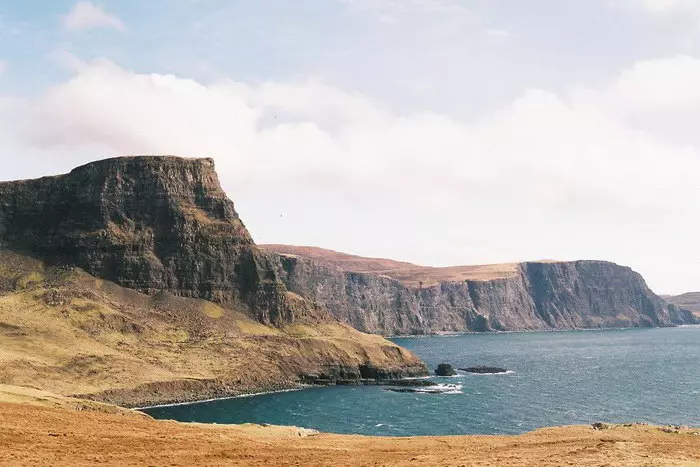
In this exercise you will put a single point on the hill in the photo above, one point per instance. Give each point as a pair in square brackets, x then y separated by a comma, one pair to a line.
[133, 281]
[689, 301]
[68, 332]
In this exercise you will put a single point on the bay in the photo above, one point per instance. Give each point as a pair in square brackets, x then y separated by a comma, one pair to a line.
[555, 378]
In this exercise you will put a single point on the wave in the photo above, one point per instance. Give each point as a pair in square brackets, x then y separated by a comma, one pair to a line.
[435, 389]
[508, 372]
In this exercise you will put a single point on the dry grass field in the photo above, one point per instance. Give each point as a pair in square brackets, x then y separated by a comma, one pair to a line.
[411, 275]
[33, 435]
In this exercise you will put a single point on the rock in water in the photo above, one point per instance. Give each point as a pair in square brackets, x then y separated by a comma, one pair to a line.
[445, 369]
[484, 370]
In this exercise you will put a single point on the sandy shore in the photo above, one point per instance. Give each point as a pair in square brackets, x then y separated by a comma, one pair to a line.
[38, 435]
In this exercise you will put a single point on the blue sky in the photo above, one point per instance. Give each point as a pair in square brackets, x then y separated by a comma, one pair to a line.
[434, 131]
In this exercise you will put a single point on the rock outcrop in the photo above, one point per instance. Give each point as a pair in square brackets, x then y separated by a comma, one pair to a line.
[150, 224]
[445, 369]
[392, 298]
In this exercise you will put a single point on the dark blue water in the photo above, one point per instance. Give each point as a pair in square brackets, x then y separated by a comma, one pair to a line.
[559, 378]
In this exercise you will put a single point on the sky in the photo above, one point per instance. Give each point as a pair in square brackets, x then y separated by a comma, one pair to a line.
[440, 132]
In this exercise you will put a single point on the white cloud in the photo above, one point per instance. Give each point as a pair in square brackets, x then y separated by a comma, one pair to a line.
[432, 6]
[86, 15]
[3, 67]
[660, 6]
[581, 175]
[395, 11]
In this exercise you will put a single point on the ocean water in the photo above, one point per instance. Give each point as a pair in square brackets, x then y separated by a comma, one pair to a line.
[556, 378]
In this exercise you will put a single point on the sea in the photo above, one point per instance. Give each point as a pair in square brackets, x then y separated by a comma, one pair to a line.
[553, 378]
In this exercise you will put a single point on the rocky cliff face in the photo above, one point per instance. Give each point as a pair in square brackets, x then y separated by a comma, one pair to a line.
[537, 295]
[689, 301]
[150, 224]
[161, 226]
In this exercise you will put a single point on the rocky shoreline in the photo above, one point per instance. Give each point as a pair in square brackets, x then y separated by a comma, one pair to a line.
[204, 390]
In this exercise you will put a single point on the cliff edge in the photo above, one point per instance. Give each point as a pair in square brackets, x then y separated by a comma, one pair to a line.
[148, 223]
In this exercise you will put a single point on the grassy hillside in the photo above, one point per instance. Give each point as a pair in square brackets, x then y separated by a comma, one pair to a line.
[411, 275]
[65, 331]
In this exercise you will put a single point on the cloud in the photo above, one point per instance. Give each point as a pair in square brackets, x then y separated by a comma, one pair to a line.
[3, 67]
[86, 15]
[586, 174]
[660, 6]
[395, 11]
[498, 32]
[431, 6]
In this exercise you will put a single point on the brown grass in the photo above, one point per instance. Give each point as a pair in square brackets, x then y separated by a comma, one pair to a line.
[36, 397]
[31, 435]
[72, 334]
[411, 275]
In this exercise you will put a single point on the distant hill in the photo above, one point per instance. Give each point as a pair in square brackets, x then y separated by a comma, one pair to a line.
[391, 297]
[689, 301]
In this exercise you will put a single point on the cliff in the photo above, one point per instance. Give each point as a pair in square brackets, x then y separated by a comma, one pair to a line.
[689, 301]
[133, 280]
[150, 224]
[390, 298]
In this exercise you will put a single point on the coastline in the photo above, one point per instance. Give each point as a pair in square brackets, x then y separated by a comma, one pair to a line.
[190, 392]
[184, 392]
[524, 331]
[214, 399]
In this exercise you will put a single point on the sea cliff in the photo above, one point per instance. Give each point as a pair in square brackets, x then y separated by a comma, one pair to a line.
[134, 281]
[391, 298]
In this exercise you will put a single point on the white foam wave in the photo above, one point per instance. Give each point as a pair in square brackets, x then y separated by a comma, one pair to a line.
[441, 389]
[509, 372]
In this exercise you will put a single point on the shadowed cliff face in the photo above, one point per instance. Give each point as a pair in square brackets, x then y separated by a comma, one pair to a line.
[147, 223]
[162, 226]
[534, 296]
